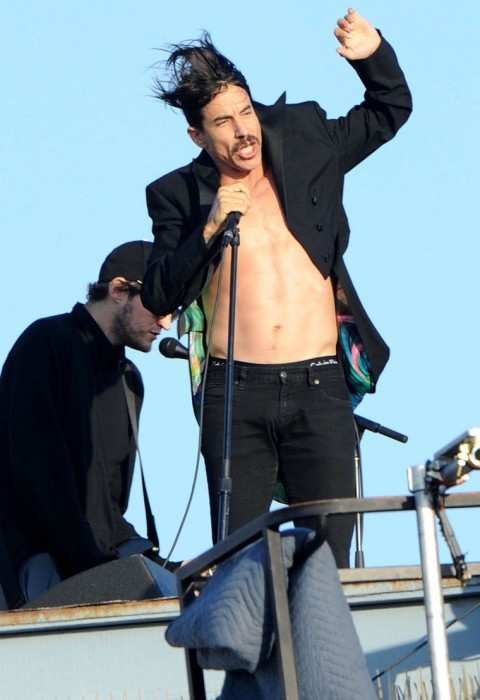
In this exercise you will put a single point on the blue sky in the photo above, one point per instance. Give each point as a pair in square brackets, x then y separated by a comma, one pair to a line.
[81, 136]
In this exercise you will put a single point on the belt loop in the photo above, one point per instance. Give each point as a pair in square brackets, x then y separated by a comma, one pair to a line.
[243, 374]
[313, 376]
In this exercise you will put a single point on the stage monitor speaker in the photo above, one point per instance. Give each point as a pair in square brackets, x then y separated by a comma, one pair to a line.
[122, 579]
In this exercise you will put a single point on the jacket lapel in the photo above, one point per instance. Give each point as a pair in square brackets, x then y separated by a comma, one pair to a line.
[207, 179]
[272, 120]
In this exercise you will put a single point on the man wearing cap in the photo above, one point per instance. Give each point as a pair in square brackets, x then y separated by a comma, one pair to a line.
[65, 433]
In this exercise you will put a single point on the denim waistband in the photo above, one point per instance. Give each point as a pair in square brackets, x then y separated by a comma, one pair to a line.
[294, 371]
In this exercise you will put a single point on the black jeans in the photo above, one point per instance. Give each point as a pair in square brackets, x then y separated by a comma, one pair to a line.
[291, 422]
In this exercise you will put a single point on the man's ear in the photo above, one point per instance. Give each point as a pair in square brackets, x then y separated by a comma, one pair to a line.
[197, 136]
[116, 289]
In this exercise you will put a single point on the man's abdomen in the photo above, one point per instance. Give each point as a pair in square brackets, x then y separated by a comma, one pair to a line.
[285, 308]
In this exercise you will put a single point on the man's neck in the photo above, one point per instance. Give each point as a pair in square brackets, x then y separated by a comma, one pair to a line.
[250, 179]
[102, 315]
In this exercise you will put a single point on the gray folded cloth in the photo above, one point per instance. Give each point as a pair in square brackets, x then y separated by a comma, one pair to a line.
[231, 626]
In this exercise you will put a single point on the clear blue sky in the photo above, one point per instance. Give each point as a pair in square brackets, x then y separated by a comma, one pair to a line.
[81, 137]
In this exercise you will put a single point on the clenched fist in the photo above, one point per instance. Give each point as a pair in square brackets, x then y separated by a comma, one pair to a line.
[358, 38]
[229, 198]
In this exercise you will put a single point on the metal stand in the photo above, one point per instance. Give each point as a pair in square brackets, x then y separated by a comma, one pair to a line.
[230, 237]
[361, 424]
[359, 554]
[437, 636]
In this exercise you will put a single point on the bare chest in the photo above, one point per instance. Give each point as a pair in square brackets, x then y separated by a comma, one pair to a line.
[268, 248]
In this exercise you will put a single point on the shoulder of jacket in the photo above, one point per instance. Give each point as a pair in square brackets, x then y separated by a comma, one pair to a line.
[45, 338]
[306, 108]
[48, 327]
[171, 179]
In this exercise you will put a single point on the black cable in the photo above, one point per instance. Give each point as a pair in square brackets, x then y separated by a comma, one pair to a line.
[202, 398]
[421, 644]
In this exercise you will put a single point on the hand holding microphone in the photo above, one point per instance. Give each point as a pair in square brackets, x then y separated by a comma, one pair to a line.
[231, 202]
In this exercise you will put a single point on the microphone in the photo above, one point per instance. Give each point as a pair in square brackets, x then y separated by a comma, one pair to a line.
[232, 220]
[366, 424]
[173, 348]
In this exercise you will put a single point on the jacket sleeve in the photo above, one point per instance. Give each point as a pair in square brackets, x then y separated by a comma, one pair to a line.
[42, 467]
[178, 265]
[386, 107]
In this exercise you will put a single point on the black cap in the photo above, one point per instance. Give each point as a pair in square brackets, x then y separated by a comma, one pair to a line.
[128, 260]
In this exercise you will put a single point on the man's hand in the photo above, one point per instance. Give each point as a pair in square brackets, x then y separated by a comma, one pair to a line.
[229, 198]
[358, 38]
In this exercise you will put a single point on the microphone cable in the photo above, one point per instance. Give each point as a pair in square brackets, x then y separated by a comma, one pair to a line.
[202, 399]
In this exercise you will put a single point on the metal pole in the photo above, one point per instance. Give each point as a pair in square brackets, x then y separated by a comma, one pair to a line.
[281, 614]
[232, 238]
[359, 555]
[432, 582]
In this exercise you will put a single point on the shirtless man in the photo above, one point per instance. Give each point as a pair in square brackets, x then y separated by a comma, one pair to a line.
[305, 350]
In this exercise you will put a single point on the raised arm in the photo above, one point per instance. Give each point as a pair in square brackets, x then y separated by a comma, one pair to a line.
[387, 102]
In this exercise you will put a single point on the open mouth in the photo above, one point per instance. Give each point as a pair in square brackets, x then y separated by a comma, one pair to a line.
[247, 150]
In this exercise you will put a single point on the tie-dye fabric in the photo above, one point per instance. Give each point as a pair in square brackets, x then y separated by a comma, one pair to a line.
[192, 322]
[355, 361]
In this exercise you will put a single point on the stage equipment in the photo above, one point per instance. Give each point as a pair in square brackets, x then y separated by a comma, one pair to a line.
[129, 578]
[373, 427]
[453, 462]
[362, 424]
[231, 237]
[169, 347]
[428, 483]
[173, 348]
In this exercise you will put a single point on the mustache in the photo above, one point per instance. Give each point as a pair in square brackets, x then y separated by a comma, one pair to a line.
[248, 140]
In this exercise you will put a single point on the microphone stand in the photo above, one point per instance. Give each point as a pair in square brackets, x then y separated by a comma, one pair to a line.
[231, 237]
[359, 553]
[360, 425]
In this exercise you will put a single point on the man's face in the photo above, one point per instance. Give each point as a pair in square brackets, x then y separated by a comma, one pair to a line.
[137, 327]
[231, 132]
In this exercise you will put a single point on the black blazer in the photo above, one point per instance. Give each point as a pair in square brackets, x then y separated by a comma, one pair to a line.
[309, 156]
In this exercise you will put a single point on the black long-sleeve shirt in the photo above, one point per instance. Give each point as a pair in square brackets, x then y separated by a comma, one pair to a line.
[67, 452]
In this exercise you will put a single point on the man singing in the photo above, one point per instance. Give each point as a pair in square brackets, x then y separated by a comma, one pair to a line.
[305, 349]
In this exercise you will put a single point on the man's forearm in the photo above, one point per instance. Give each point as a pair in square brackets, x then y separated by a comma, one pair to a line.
[176, 278]
[386, 107]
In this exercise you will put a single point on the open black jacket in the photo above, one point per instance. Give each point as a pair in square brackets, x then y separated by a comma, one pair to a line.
[309, 156]
[54, 486]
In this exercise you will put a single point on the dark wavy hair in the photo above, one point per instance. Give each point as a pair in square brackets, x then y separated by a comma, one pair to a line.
[98, 291]
[198, 72]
